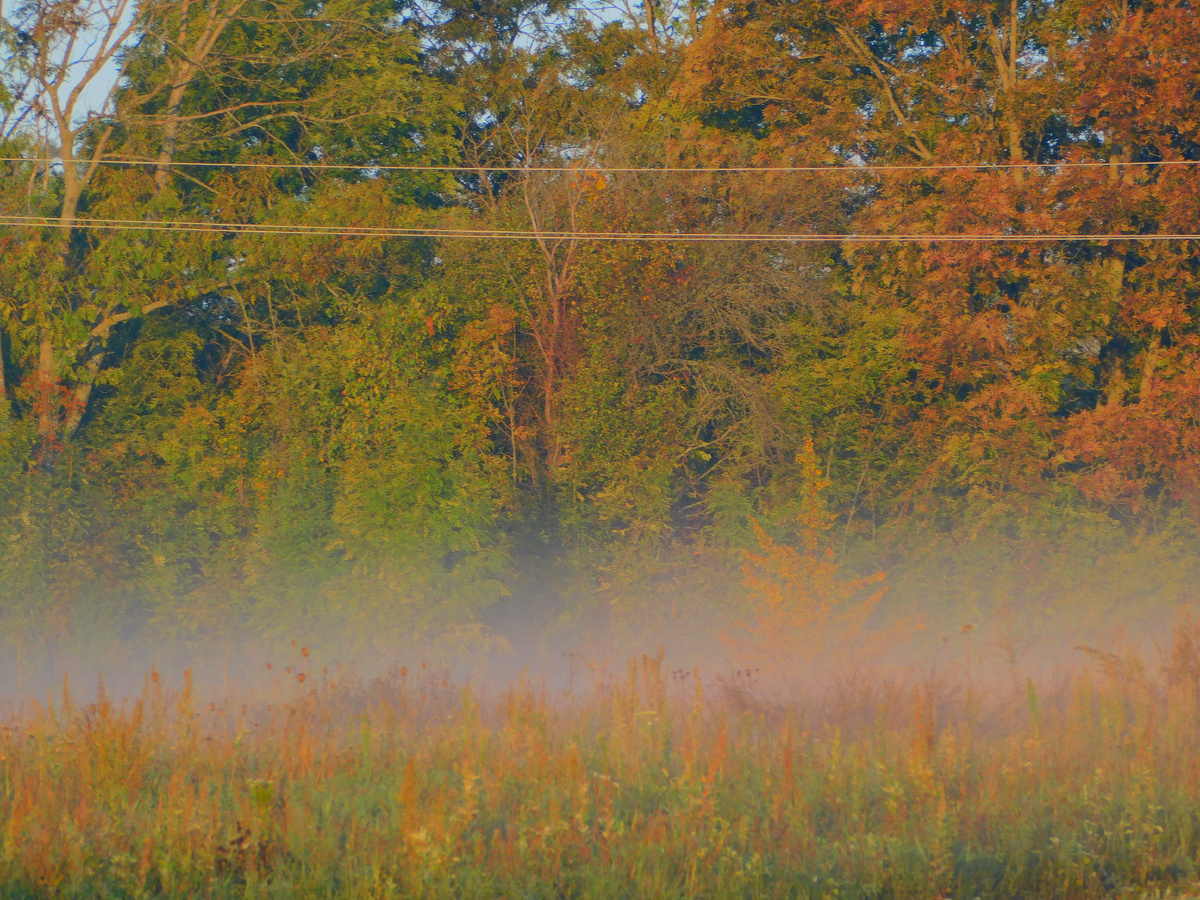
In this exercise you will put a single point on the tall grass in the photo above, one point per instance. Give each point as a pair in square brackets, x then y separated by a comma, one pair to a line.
[648, 785]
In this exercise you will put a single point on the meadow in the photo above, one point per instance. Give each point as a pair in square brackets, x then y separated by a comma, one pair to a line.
[646, 783]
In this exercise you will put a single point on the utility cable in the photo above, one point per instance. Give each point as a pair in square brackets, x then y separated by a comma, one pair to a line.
[640, 170]
[200, 227]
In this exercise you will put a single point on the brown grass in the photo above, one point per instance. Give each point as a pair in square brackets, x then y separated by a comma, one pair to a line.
[653, 784]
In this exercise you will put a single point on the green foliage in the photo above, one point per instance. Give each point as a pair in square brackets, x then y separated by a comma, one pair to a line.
[243, 431]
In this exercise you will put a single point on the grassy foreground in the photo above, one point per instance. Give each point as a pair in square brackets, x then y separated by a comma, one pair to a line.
[649, 786]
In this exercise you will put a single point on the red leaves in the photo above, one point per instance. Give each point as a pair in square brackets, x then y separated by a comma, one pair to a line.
[1150, 445]
[1011, 345]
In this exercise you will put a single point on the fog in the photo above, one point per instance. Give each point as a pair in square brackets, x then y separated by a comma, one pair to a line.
[989, 655]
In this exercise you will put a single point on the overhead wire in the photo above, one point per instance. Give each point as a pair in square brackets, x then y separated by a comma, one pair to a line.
[503, 234]
[677, 170]
[201, 227]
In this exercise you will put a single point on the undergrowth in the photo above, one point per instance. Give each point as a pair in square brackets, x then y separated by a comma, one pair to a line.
[650, 784]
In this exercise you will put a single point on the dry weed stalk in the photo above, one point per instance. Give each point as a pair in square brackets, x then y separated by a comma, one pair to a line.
[652, 784]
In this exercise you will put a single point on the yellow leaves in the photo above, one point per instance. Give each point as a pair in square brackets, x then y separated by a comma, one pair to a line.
[408, 793]
[798, 592]
[594, 183]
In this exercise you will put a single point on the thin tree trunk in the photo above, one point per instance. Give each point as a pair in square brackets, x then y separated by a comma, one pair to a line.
[550, 384]
[1006, 59]
[550, 414]
[47, 393]
[162, 171]
[5, 406]
[195, 53]
[1149, 365]
[1117, 384]
[651, 26]
[179, 85]
[48, 385]
[72, 188]
[1015, 153]
[82, 394]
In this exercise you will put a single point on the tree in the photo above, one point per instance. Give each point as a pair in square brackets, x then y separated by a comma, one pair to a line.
[1003, 343]
[189, 75]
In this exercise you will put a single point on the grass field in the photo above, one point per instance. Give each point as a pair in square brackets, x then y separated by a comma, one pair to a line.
[649, 784]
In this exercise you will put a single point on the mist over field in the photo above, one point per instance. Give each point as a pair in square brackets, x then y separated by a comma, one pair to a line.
[570, 449]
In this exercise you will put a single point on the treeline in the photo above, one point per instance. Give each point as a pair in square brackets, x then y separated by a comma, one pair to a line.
[261, 424]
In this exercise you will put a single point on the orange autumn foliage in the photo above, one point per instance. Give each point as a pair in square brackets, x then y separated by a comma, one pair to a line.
[799, 594]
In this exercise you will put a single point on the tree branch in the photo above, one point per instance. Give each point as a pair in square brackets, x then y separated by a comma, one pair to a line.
[867, 58]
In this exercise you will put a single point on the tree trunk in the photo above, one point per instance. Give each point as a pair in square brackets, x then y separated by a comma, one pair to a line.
[1116, 385]
[5, 407]
[72, 188]
[553, 361]
[550, 415]
[194, 54]
[46, 403]
[1006, 58]
[651, 26]
[77, 408]
[1149, 364]
[1117, 382]
[162, 171]
[1015, 153]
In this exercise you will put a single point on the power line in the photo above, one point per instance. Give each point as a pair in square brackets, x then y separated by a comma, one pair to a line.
[199, 227]
[852, 170]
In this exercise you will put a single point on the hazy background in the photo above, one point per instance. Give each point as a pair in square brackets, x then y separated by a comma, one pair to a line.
[238, 411]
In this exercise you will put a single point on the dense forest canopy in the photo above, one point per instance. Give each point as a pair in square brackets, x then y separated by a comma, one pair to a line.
[262, 425]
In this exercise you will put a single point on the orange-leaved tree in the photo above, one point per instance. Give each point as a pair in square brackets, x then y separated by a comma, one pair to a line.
[799, 593]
